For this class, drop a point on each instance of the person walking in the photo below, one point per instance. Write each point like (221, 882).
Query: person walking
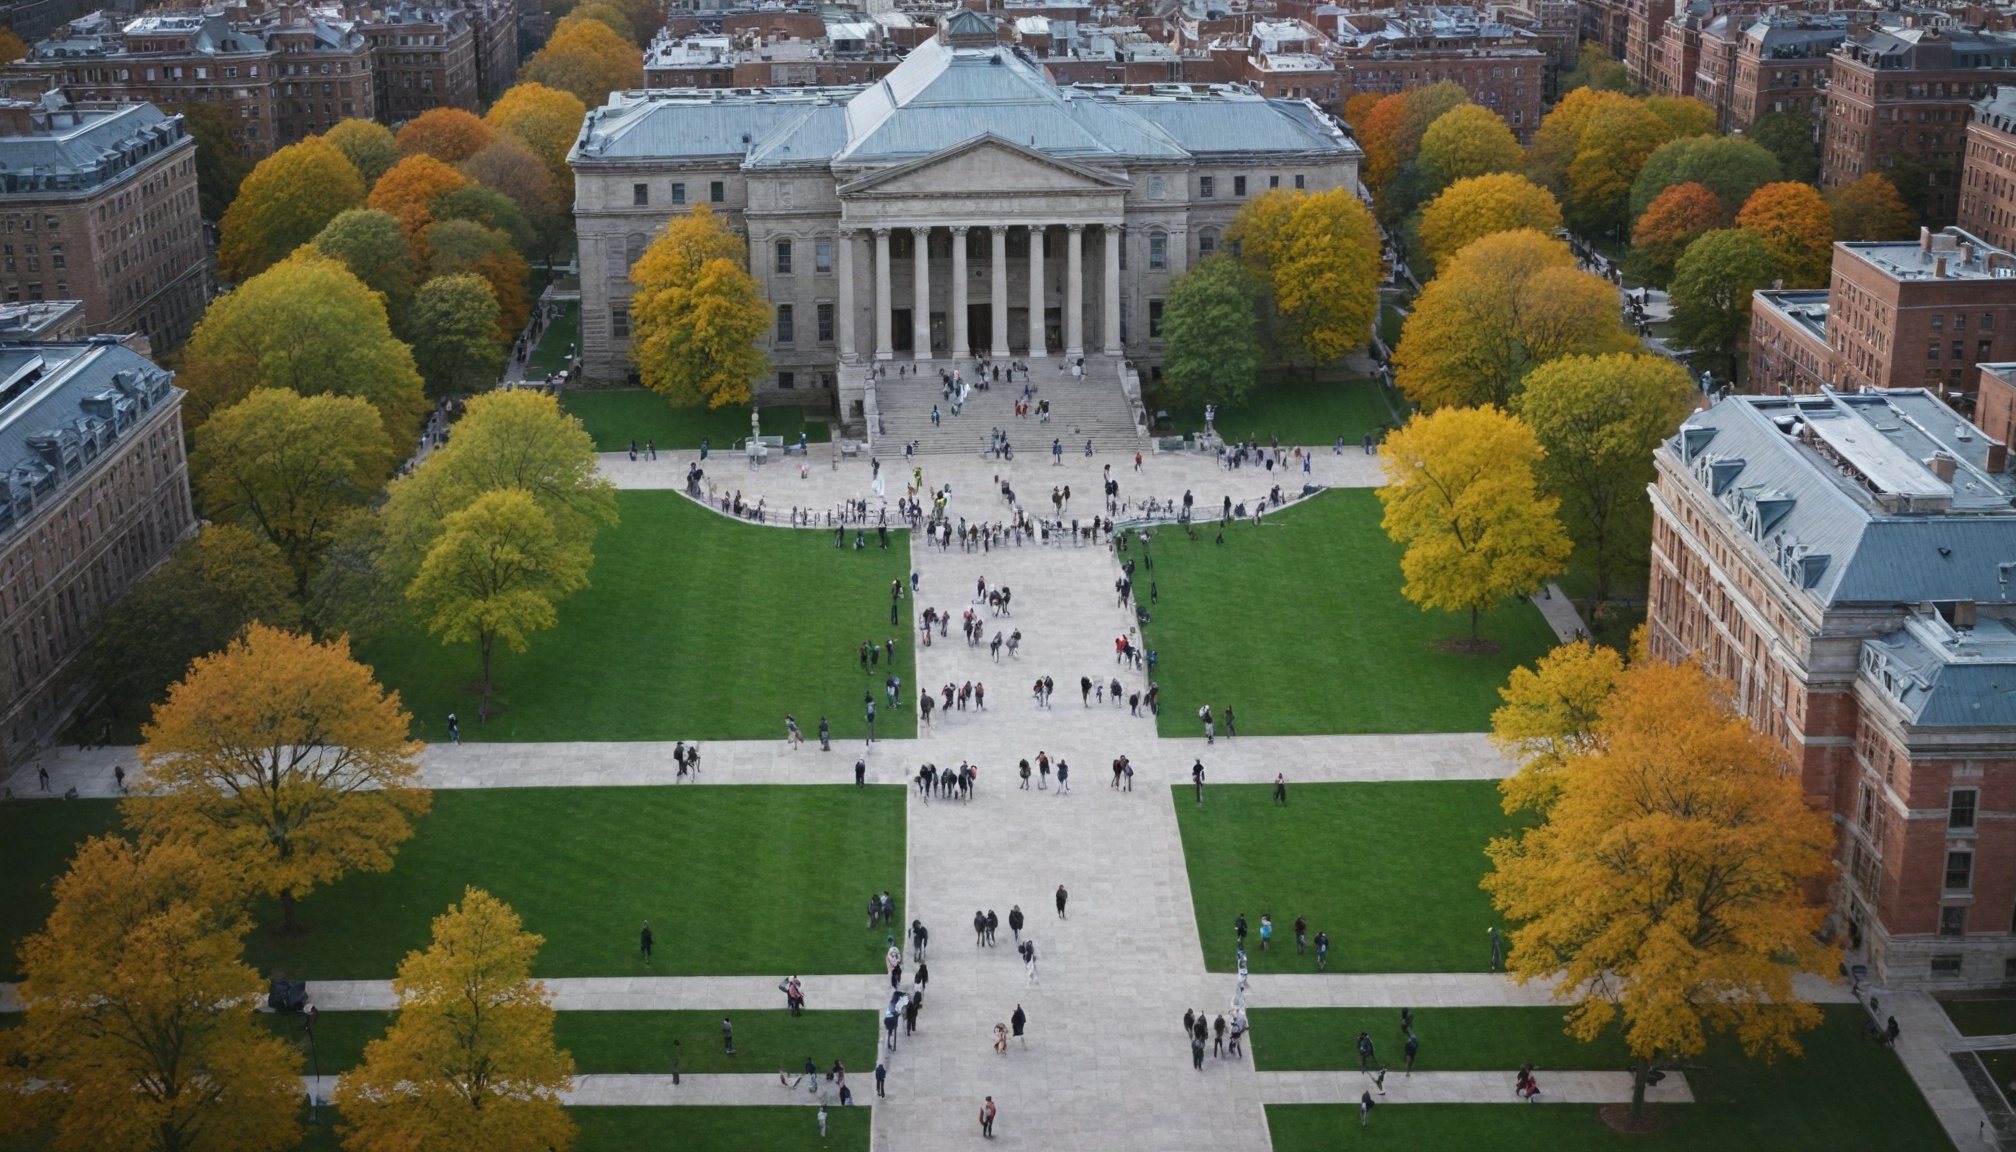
(792, 737)
(1301, 935)
(1231, 728)
(871, 719)
(1218, 1036)
(1210, 727)
(1197, 781)
(825, 735)
(454, 729)
(881, 1075)
(987, 1114)
(1042, 769)
(1239, 930)
(1280, 788)
(860, 773)
(890, 1015)
(1015, 922)
(822, 1120)
(1063, 777)
(1365, 1111)
(1025, 775)
(1266, 931)
(1062, 896)
(1197, 1052)
(1364, 1051)
(1017, 1022)
(42, 776)
(919, 937)
(1410, 1049)
(1029, 962)
(727, 1036)
(644, 942)
(1322, 951)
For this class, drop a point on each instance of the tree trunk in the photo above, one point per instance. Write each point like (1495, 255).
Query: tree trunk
(483, 709)
(1473, 625)
(287, 925)
(1640, 1071)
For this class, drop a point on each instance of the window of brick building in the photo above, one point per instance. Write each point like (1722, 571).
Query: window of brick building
(1959, 871)
(1960, 807)
(784, 323)
(1953, 920)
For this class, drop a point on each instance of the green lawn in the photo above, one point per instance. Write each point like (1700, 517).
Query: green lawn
(2001, 1065)
(1452, 1039)
(37, 839)
(1388, 870)
(638, 1042)
(562, 334)
(1298, 412)
(1843, 1094)
(694, 627)
(1983, 1017)
(735, 881)
(614, 417)
(695, 1129)
(1299, 625)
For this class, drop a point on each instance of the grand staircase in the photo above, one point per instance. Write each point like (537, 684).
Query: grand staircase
(1097, 407)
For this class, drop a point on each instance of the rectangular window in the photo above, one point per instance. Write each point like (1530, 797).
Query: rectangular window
(1959, 871)
(640, 195)
(825, 323)
(1946, 967)
(1206, 244)
(619, 321)
(1953, 920)
(1155, 188)
(1158, 250)
(1959, 322)
(1984, 349)
(787, 380)
(1298, 180)
(1154, 319)
(1273, 181)
(56, 256)
(783, 257)
(1987, 321)
(717, 192)
(783, 323)
(1959, 350)
(1939, 323)
(1238, 186)
(822, 257)
(678, 193)
(1960, 807)
(1932, 350)
(1205, 186)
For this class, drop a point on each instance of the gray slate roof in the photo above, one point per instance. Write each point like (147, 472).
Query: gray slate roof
(62, 405)
(85, 147)
(1945, 677)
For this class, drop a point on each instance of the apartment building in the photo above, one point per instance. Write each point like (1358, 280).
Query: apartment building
(1988, 173)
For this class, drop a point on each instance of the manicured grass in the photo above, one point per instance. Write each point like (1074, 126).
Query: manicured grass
(1298, 412)
(2001, 1065)
(1300, 627)
(1985, 1017)
(694, 627)
(562, 334)
(614, 417)
(1844, 1093)
(1388, 870)
(693, 1128)
(1452, 1039)
(734, 880)
(638, 1042)
(37, 839)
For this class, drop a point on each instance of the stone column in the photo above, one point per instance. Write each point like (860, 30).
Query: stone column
(920, 313)
(1179, 252)
(884, 344)
(1037, 345)
(845, 268)
(1074, 291)
(959, 341)
(999, 301)
(1109, 329)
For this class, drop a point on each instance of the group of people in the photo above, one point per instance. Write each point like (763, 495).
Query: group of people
(1223, 1034)
(947, 783)
(1240, 928)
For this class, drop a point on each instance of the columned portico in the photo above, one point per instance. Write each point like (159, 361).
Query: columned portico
(885, 347)
(999, 300)
(1074, 291)
(920, 315)
(845, 268)
(1109, 327)
(960, 348)
(1038, 346)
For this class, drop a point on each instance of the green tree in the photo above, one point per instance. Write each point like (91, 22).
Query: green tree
(283, 203)
(205, 594)
(1211, 337)
(288, 466)
(1869, 208)
(1599, 419)
(1460, 498)
(308, 326)
(496, 572)
(1611, 152)
(1729, 166)
(457, 246)
(1711, 294)
(1684, 115)
(1466, 141)
(219, 167)
(1789, 137)
(373, 247)
(454, 329)
(490, 208)
(371, 147)
(1596, 69)
(697, 314)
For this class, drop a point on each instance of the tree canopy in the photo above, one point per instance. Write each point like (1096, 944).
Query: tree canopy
(284, 758)
(546, 120)
(1677, 217)
(454, 333)
(1869, 208)
(1617, 140)
(308, 326)
(219, 167)
(1460, 497)
(1468, 140)
(1549, 715)
(1596, 69)
(1711, 294)
(1684, 115)
(1211, 338)
(697, 314)
(374, 248)
(1796, 225)
(407, 191)
(1503, 305)
(450, 135)
(1666, 886)
(1729, 166)
(1392, 135)
(288, 198)
(1316, 257)
(1474, 208)
(588, 60)
(1789, 137)
(369, 145)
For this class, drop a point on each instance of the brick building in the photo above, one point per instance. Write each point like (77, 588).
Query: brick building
(1843, 560)
(1922, 314)
(422, 57)
(1782, 64)
(98, 204)
(1789, 353)
(1644, 27)
(1497, 64)
(321, 70)
(1988, 174)
(94, 494)
(1898, 101)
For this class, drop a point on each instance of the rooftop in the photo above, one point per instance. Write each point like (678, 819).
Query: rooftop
(67, 147)
(1945, 676)
(1951, 254)
(1806, 307)
(62, 406)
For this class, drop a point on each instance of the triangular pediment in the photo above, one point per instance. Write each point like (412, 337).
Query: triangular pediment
(983, 162)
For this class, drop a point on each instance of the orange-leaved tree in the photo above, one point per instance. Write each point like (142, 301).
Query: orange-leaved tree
(1668, 884)
(1796, 225)
(142, 1029)
(450, 135)
(1676, 218)
(1869, 208)
(283, 203)
(408, 190)
(284, 757)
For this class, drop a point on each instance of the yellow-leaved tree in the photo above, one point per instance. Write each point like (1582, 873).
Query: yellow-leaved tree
(1460, 497)
(141, 1030)
(588, 59)
(1797, 226)
(1549, 714)
(469, 1065)
(1468, 140)
(1502, 306)
(545, 119)
(1317, 255)
(697, 314)
(1668, 883)
(285, 758)
(1472, 209)
(283, 203)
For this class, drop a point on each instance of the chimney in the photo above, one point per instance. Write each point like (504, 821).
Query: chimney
(1963, 614)
(1938, 266)
(1998, 457)
(1942, 466)
(1924, 239)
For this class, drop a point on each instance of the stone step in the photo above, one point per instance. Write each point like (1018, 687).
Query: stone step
(1091, 407)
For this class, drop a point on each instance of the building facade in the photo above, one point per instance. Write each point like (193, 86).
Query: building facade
(1921, 314)
(98, 204)
(94, 493)
(1988, 174)
(964, 206)
(322, 73)
(1843, 560)
(422, 57)
(1789, 353)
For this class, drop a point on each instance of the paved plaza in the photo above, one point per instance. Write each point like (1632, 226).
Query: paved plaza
(1104, 1066)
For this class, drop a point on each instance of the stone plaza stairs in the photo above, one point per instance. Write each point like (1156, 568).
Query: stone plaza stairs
(1096, 407)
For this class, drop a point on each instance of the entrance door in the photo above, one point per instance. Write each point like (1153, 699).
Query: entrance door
(1018, 331)
(939, 337)
(980, 326)
(904, 338)
(1053, 329)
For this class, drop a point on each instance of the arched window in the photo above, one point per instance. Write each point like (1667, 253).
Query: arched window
(1158, 250)
(1207, 242)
